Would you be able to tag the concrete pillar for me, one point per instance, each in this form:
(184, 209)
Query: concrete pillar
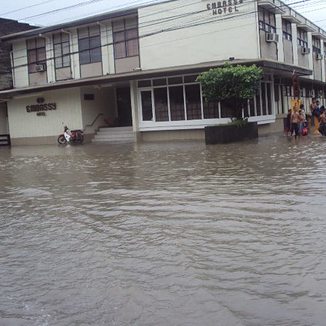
(110, 49)
(279, 31)
(295, 43)
(323, 66)
(310, 58)
(75, 56)
(50, 61)
(134, 105)
(104, 49)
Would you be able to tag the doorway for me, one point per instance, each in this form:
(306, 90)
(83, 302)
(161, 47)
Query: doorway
(124, 106)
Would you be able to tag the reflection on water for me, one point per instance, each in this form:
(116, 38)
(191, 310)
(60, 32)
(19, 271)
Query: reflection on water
(164, 234)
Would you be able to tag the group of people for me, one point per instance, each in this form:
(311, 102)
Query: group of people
(298, 121)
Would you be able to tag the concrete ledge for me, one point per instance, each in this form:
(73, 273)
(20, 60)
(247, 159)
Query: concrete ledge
(155, 136)
(49, 140)
(272, 128)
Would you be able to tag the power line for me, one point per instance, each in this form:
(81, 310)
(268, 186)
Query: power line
(188, 25)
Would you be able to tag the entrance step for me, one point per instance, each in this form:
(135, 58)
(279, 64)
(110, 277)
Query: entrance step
(114, 135)
(4, 140)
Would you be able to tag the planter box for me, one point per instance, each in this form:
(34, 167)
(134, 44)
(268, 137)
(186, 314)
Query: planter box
(224, 134)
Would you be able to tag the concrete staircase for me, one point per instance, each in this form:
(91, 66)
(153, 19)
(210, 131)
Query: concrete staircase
(114, 135)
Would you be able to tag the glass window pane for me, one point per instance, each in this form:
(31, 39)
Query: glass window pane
(161, 104)
(131, 34)
(176, 103)
(84, 57)
(41, 55)
(211, 110)
(58, 62)
(94, 30)
(32, 56)
(118, 25)
(57, 50)
(120, 50)
(146, 103)
(40, 42)
(132, 48)
(175, 80)
(131, 22)
(65, 48)
(119, 36)
(31, 44)
(95, 55)
(82, 32)
(227, 109)
(190, 79)
(95, 43)
(193, 102)
(144, 83)
(83, 44)
(64, 37)
(263, 95)
(159, 82)
(252, 108)
(66, 61)
(57, 38)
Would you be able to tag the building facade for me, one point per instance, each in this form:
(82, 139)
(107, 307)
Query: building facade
(7, 26)
(138, 67)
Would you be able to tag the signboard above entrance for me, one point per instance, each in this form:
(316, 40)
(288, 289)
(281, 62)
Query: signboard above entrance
(224, 7)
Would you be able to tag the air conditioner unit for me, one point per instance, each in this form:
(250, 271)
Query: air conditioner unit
(40, 68)
(305, 50)
(319, 56)
(271, 37)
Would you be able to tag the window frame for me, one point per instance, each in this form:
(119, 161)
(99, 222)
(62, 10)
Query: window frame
(267, 21)
(302, 38)
(60, 58)
(40, 51)
(89, 49)
(125, 40)
(287, 30)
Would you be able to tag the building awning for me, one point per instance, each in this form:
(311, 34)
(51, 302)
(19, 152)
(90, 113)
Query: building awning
(270, 66)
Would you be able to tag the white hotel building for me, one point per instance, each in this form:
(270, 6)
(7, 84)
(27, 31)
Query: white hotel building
(137, 68)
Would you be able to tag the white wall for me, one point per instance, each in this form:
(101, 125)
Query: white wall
(68, 112)
(219, 37)
(20, 64)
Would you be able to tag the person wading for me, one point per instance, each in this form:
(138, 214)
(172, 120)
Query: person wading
(296, 119)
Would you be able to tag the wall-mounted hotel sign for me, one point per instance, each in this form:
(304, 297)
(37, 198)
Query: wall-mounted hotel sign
(224, 7)
(41, 106)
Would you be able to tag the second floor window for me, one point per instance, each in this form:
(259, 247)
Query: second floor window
(267, 21)
(89, 42)
(302, 38)
(316, 45)
(125, 38)
(61, 50)
(36, 54)
(287, 30)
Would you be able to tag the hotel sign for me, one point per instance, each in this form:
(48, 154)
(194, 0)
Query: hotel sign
(41, 106)
(224, 7)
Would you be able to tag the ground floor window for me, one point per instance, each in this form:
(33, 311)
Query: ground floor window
(180, 98)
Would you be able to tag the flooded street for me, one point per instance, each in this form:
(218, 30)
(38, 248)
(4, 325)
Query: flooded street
(164, 234)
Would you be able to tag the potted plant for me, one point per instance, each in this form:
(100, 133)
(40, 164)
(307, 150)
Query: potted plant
(234, 85)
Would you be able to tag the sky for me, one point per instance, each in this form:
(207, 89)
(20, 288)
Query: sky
(50, 12)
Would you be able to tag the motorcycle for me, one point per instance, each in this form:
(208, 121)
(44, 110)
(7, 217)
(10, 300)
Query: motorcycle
(71, 137)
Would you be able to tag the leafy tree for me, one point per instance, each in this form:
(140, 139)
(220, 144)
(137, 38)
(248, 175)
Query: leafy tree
(232, 84)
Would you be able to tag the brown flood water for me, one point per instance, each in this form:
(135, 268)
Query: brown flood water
(164, 234)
